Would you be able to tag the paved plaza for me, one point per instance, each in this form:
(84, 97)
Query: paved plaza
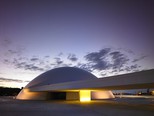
(114, 107)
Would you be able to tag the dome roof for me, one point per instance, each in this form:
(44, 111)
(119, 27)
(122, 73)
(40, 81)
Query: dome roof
(60, 75)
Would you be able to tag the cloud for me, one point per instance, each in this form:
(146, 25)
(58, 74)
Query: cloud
(26, 66)
(34, 59)
(135, 67)
(119, 59)
(131, 68)
(20, 64)
(103, 62)
(10, 80)
(72, 57)
(47, 56)
(60, 54)
(16, 51)
(140, 58)
(32, 64)
(97, 60)
(109, 61)
(12, 51)
(97, 56)
(26, 81)
(6, 61)
(58, 61)
(5, 42)
(84, 66)
(32, 67)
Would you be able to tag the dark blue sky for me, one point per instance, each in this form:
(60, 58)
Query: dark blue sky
(106, 37)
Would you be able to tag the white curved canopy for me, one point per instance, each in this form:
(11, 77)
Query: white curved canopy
(61, 75)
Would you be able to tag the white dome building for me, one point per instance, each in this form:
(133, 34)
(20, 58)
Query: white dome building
(39, 88)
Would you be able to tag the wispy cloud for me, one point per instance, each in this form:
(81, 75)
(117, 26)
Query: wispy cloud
(97, 56)
(84, 66)
(5, 42)
(119, 59)
(140, 58)
(11, 80)
(31, 64)
(98, 60)
(34, 59)
(104, 61)
(60, 54)
(72, 57)
(16, 51)
(58, 61)
(32, 67)
(110, 61)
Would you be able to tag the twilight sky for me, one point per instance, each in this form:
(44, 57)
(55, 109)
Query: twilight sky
(105, 37)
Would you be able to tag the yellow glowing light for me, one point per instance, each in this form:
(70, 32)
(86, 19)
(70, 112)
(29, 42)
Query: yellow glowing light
(85, 95)
(152, 92)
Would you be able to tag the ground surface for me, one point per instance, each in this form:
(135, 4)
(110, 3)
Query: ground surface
(114, 107)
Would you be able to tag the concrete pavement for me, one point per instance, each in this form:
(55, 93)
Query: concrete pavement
(114, 107)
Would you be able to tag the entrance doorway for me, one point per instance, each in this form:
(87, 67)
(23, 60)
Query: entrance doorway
(57, 96)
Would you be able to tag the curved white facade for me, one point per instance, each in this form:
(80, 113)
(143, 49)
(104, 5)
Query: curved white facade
(60, 76)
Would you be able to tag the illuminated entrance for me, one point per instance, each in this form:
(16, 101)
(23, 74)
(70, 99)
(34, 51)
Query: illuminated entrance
(85, 95)
(82, 95)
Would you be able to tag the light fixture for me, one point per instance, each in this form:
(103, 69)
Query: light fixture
(85, 95)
